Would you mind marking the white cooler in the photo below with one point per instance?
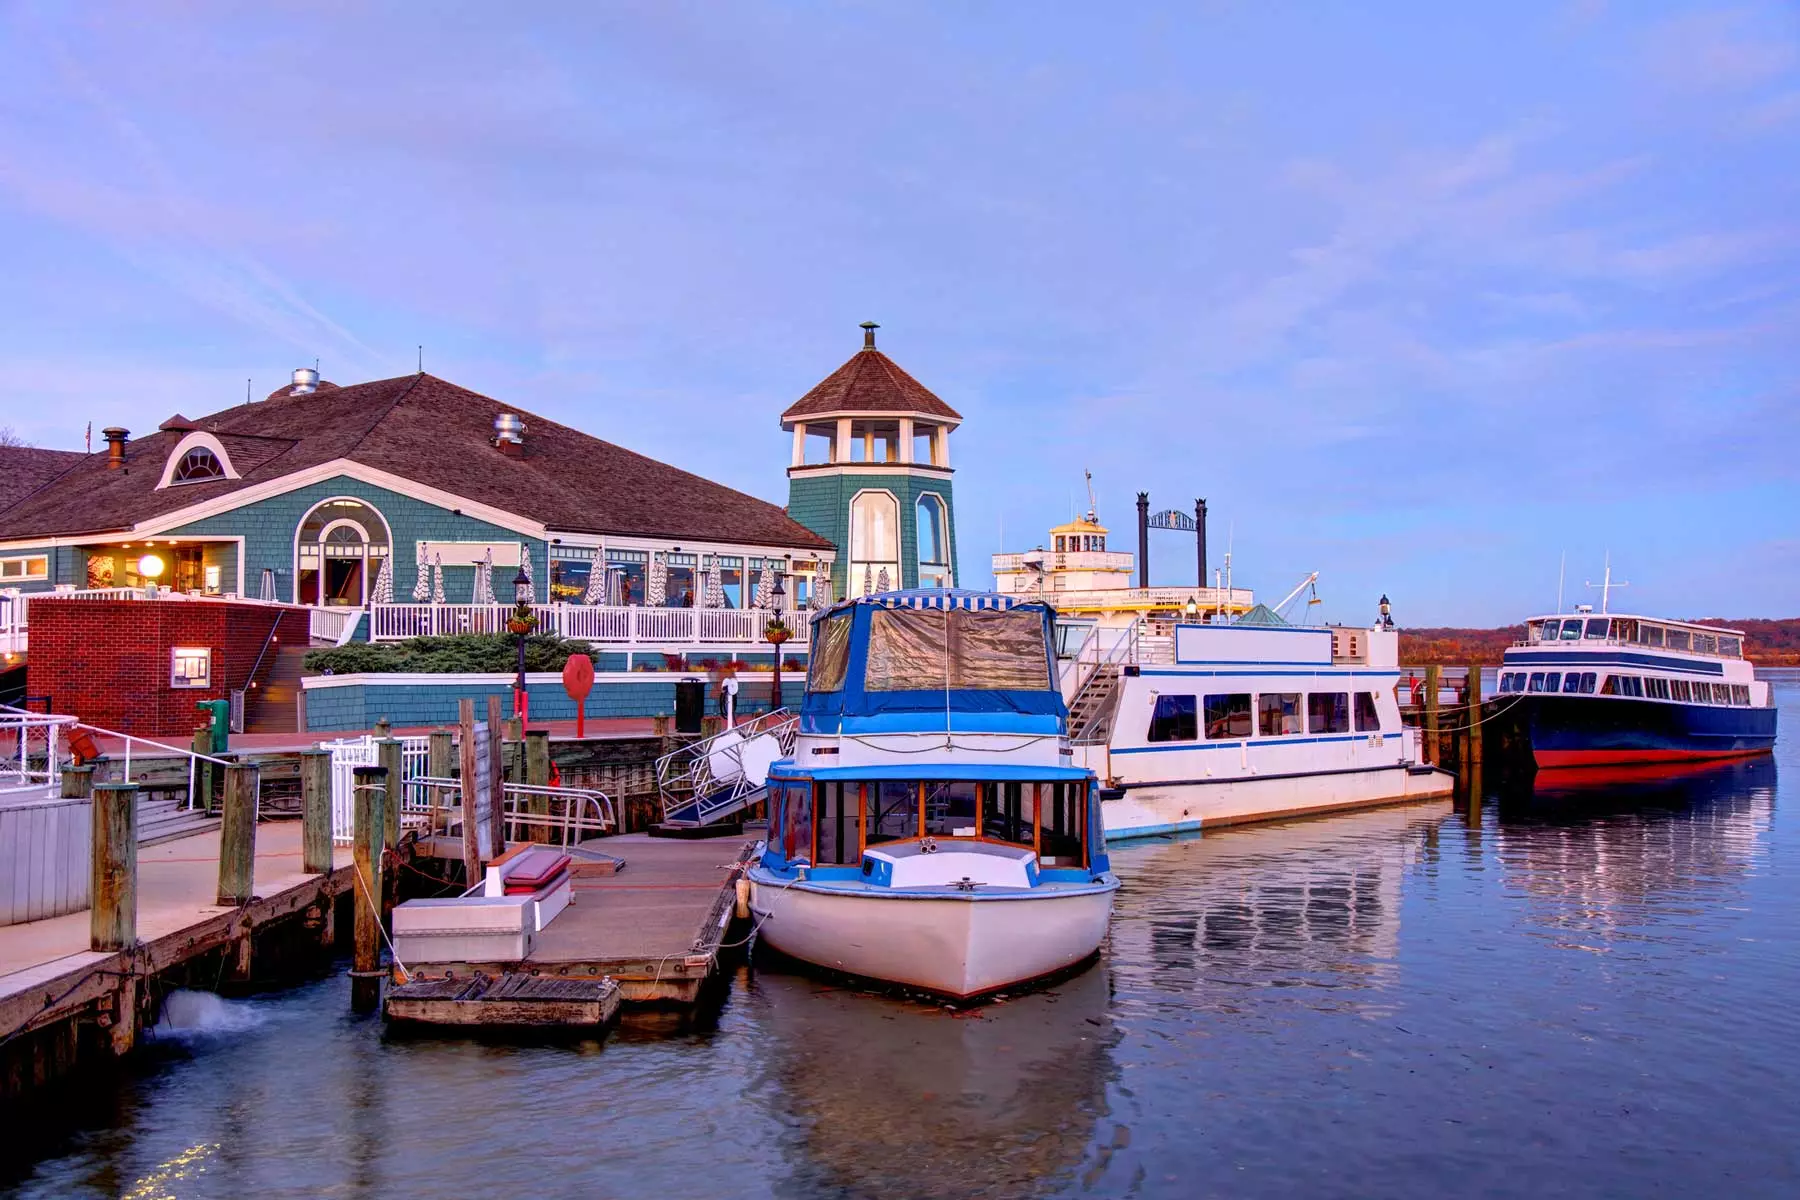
(474, 929)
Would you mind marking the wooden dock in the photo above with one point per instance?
(62, 1002)
(655, 927)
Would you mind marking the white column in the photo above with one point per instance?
(940, 446)
(906, 439)
(840, 450)
(800, 444)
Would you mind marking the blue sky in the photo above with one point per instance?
(1418, 295)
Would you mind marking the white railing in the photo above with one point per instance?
(332, 624)
(349, 753)
(632, 626)
(711, 776)
(435, 804)
(17, 729)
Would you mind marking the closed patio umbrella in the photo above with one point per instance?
(437, 580)
(712, 587)
(765, 588)
(599, 576)
(421, 574)
(530, 583)
(484, 578)
(656, 584)
(881, 581)
(383, 592)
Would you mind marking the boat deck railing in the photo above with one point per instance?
(433, 804)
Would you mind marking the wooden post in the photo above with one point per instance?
(203, 771)
(112, 922)
(315, 812)
(1472, 751)
(496, 779)
(383, 728)
(237, 835)
(440, 763)
(465, 712)
(78, 782)
(1433, 680)
(515, 750)
(537, 774)
(365, 966)
(388, 752)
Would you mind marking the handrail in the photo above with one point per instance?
(513, 797)
(269, 640)
(688, 769)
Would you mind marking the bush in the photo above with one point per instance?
(463, 653)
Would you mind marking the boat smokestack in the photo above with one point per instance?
(1200, 537)
(1143, 539)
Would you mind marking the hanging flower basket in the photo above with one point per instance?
(777, 632)
(522, 621)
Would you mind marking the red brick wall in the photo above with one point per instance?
(107, 661)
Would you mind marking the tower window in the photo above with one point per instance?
(197, 465)
(934, 542)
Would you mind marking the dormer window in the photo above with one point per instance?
(198, 458)
(197, 465)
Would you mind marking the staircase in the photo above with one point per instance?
(1091, 712)
(276, 708)
(717, 777)
(161, 821)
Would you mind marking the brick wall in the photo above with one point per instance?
(107, 661)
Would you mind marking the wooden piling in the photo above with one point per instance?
(315, 811)
(388, 754)
(496, 779)
(237, 835)
(1473, 731)
(465, 710)
(112, 921)
(1434, 752)
(203, 771)
(537, 774)
(78, 782)
(365, 966)
(440, 763)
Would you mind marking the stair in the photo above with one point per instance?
(1091, 712)
(161, 821)
(275, 707)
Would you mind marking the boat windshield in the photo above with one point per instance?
(832, 823)
(916, 649)
(830, 654)
(1596, 627)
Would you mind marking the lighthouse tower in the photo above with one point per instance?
(871, 472)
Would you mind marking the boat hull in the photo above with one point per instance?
(1153, 809)
(950, 944)
(1591, 731)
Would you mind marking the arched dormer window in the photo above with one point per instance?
(197, 458)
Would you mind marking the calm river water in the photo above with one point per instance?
(1574, 994)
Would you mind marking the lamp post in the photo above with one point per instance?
(1387, 613)
(1192, 610)
(777, 632)
(520, 623)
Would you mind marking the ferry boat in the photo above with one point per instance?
(1199, 707)
(928, 829)
(1594, 689)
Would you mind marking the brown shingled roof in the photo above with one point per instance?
(25, 469)
(869, 382)
(430, 431)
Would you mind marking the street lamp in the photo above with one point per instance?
(1193, 609)
(777, 632)
(520, 623)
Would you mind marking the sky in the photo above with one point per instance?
(1438, 300)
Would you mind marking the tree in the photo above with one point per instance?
(8, 437)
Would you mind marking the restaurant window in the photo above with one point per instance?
(836, 805)
(1596, 627)
(630, 569)
(830, 654)
(1228, 716)
(683, 581)
(1174, 719)
(1061, 820)
(1328, 712)
(1679, 690)
(1006, 812)
(950, 809)
(891, 813)
(338, 553)
(731, 581)
(1368, 717)
(190, 667)
(1278, 713)
(569, 577)
(33, 566)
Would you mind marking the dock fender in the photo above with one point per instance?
(743, 898)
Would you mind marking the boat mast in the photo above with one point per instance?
(1606, 585)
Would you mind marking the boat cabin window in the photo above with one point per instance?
(1624, 629)
(1572, 682)
(1679, 690)
(796, 824)
(1571, 630)
(1278, 713)
(1587, 682)
(1656, 689)
(838, 809)
(1328, 712)
(830, 654)
(913, 649)
(1006, 813)
(1730, 647)
(1537, 682)
(1596, 627)
(1061, 818)
(1721, 693)
(1228, 716)
(1706, 643)
(1534, 631)
(891, 812)
(1740, 693)
(1174, 719)
(1676, 639)
(1368, 717)
(1703, 693)
(950, 809)
(1653, 635)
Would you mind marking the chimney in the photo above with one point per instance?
(509, 435)
(115, 446)
(306, 382)
(869, 328)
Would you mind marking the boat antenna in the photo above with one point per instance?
(1093, 508)
(1607, 584)
(1561, 568)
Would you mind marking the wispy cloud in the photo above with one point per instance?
(1729, 49)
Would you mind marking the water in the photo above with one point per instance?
(1590, 996)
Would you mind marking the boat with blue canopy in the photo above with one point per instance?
(929, 828)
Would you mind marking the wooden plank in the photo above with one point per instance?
(496, 780)
(36, 887)
(465, 710)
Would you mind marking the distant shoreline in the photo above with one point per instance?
(1767, 643)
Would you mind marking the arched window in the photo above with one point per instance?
(874, 541)
(338, 553)
(198, 464)
(934, 542)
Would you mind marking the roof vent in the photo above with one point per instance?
(115, 446)
(306, 382)
(509, 434)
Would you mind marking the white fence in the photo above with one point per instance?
(349, 753)
(589, 623)
(329, 624)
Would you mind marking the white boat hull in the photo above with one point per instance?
(952, 945)
(1148, 809)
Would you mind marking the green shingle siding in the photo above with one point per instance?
(821, 502)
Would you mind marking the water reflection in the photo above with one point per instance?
(886, 1097)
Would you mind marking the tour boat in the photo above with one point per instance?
(928, 829)
(1600, 689)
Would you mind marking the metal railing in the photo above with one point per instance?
(435, 804)
(16, 729)
(710, 775)
(634, 625)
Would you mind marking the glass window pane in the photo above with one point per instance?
(892, 813)
(1596, 627)
(1328, 712)
(1006, 813)
(1228, 716)
(950, 809)
(1174, 719)
(1278, 713)
(830, 653)
(1368, 717)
